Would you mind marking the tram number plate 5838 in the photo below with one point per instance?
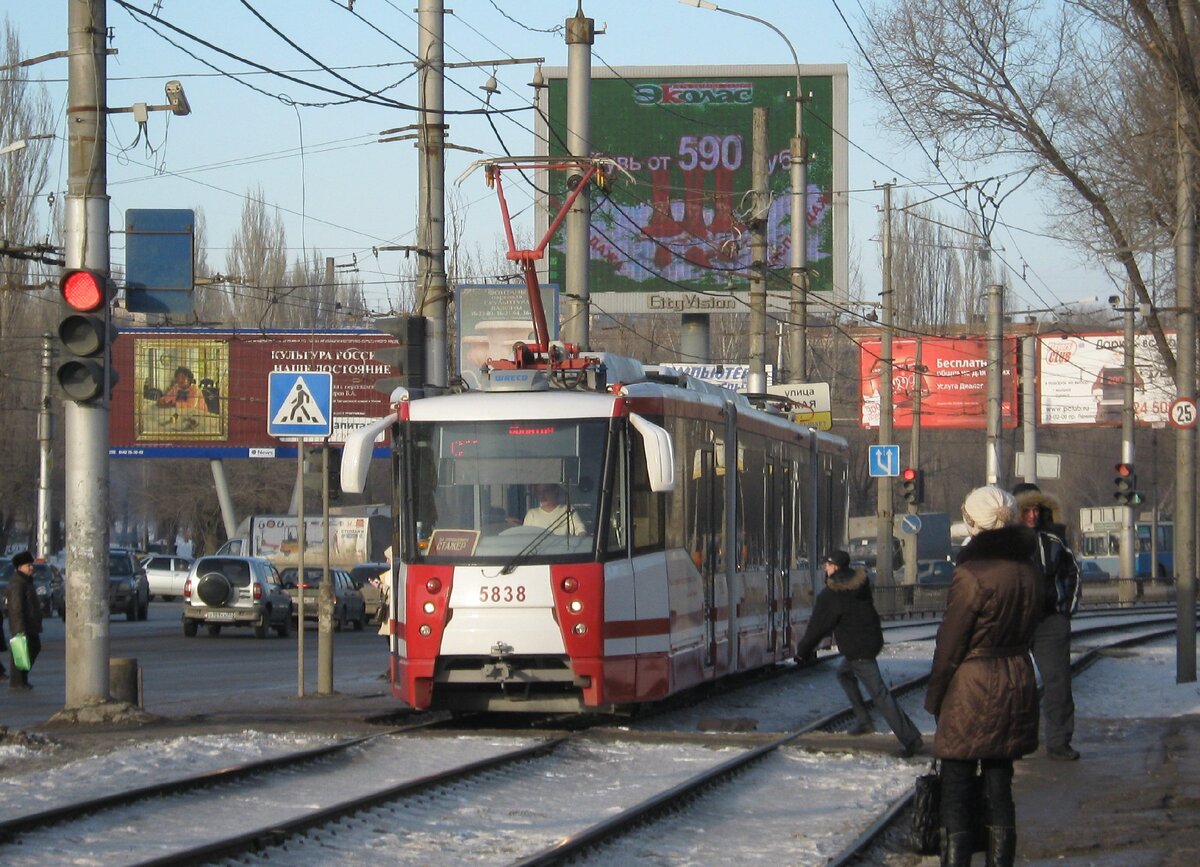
(502, 593)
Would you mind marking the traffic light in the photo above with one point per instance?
(1126, 493)
(85, 333)
(912, 485)
(408, 358)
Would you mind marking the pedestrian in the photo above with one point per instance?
(982, 690)
(1052, 638)
(24, 616)
(845, 609)
(385, 610)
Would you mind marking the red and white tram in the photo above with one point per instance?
(661, 569)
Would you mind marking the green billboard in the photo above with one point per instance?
(670, 234)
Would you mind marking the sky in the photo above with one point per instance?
(342, 192)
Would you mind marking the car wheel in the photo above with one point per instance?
(260, 629)
(214, 629)
(62, 613)
(189, 628)
(360, 621)
(284, 628)
(213, 589)
(339, 622)
(144, 610)
(131, 613)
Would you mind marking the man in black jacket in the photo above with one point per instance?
(1052, 639)
(846, 610)
(24, 615)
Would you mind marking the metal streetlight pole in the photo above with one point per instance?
(798, 307)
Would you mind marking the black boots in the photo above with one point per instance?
(1002, 846)
(956, 849)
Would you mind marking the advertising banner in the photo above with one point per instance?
(953, 384)
(669, 235)
(203, 392)
(493, 316)
(1081, 380)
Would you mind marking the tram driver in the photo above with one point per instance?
(551, 511)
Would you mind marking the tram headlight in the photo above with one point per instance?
(574, 606)
(426, 630)
(429, 608)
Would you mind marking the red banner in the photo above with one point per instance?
(203, 393)
(952, 382)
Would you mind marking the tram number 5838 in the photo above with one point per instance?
(502, 593)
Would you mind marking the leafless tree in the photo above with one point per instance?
(257, 267)
(1027, 81)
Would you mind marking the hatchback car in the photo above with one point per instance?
(363, 575)
(1090, 570)
(128, 589)
(235, 591)
(348, 605)
(166, 574)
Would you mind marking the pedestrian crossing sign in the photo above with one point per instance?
(300, 404)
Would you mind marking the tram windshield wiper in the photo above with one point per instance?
(533, 543)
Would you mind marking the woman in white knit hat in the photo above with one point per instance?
(982, 690)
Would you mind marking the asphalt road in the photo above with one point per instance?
(197, 675)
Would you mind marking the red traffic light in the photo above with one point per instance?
(909, 474)
(84, 291)
(1125, 471)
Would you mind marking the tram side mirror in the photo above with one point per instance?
(660, 454)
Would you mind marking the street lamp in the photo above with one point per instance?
(21, 143)
(798, 334)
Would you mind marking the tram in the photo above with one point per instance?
(575, 532)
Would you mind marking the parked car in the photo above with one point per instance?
(128, 589)
(1090, 570)
(45, 575)
(348, 604)
(235, 591)
(166, 574)
(362, 575)
(935, 573)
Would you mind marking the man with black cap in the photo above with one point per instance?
(846, 609)
(24, 616)
(1052, 638)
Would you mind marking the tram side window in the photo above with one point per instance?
(752, 510)
(647, 508)
(684, 433)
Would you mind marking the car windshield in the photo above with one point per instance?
(119, 564)
(312, 576)
(236, 571)
(361, 574)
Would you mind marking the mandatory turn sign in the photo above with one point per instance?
(300, 404)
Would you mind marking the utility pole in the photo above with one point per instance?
(86, 509)
(301, 544)
(1127, 585)
(994, 378)
(1185, 387)
(1029, 408)
(431, 220)
(883, 540)
(798, 345)
(914, 461)
(325, 602)
(45, 435)
(757, 381)
(580, 36)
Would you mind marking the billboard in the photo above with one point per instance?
(953, 384)
(1082, 379)
(491, 317)
(669, 235)
(203, 392)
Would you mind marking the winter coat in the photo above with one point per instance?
(982, 688)
(1057, 561)
(24, 609)
(846, 609)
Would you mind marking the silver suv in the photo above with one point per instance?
(235, 591)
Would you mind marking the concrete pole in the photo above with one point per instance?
(694, 342)
(1185, 386)
(45, 435)
(757, 381)
(1127, 588)
(431, 218)
(86, 504)
(221, 483)
(798, 345)
(1029, 407)
(325, 603)
(580, 36)
(883, 540)
(914, 461)
(995, 374)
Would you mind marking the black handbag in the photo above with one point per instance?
(924, 836)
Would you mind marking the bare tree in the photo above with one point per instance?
(257, 266)
(1022, 80)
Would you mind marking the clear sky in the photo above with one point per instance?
(342, 192)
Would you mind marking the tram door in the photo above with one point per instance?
(778, 542)
(710, 501)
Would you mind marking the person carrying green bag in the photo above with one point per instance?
(24, 620)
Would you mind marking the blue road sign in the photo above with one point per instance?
(910, 525)
(883, 461)
(300, 404)
(159, 257)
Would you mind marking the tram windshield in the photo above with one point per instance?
(484, 489)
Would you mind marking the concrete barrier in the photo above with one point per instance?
(125, 681)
